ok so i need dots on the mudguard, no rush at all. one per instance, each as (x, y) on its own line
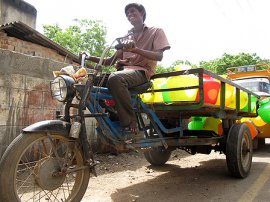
(52, 126)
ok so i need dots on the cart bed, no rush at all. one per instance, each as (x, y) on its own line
(199, 107)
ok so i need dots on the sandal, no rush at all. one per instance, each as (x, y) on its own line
(133, 127)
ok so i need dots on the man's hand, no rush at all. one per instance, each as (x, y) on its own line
(129, 45)
(124, 62)
(81, 54)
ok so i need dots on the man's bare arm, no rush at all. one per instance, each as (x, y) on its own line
(152, 55)
(107, 61)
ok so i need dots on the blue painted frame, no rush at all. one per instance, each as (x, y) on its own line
(114, 128)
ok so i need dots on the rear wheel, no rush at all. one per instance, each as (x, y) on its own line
(38, 168)
(239, 150)
(157, 156)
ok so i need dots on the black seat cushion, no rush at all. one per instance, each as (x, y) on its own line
(134, 90)
(141, 88)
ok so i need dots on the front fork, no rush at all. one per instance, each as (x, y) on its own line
(78, 127)
(87, 150)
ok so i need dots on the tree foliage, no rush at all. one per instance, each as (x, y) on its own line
(84, 36)
(174, 66)
(90, 36)
(160, 69)
(220, 65)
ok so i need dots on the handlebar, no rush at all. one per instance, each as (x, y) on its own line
(84, 55)
(122, 43)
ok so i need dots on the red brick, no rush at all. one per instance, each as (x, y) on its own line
(49, 114)
(34, 115)
(2, 34)
(4, 41)
(48, 101)
(35, 99)
(3, 46)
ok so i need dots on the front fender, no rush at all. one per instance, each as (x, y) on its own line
(52, 126)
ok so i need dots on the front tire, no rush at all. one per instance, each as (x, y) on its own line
(239, 150)
(30, 169)
(157, 156)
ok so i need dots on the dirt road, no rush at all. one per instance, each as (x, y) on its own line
(129, 177)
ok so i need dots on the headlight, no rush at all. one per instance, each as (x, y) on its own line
(62, 88)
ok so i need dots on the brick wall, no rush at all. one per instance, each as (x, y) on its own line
(28, 48)
(25, 101)
(26, 69)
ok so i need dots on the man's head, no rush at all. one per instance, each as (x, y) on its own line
(138, 6)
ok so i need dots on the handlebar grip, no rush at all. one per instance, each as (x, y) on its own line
(119, 46)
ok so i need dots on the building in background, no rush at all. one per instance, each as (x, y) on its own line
(27, 59)
(17, 10)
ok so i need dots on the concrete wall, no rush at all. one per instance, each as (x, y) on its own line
(26, 69)
(25, 94)
(17, 10)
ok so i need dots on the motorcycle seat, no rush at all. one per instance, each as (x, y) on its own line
(141, 88)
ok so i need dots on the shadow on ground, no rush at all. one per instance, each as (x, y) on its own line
(108, 163)
(210, 181)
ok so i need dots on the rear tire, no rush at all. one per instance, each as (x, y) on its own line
(239, 150)
(28, 165)
(157, 156)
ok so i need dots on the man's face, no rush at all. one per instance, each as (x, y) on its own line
(134, 16)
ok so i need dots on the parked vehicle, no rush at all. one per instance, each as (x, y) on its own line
(52, 160)
(255, 78)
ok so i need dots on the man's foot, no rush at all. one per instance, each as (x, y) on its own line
(133, 127)
(132, 138)
(132, 133)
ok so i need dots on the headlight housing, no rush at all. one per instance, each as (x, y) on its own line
(62, 88)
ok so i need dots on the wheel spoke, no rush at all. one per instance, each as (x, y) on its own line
(34, 158)
(55, 196)
(30, 175)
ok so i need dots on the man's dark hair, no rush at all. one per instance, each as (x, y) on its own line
(140, 8)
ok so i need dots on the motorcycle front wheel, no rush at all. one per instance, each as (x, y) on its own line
(41, 167)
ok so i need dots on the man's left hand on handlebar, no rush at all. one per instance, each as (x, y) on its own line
(129, 45)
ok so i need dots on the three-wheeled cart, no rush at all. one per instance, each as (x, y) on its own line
(198, 111)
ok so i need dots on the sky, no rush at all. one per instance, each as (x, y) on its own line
(197, 30)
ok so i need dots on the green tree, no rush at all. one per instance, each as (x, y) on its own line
(184, 62)
(160, 69)
(220, 65)
(84, 36)
(172, 67)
